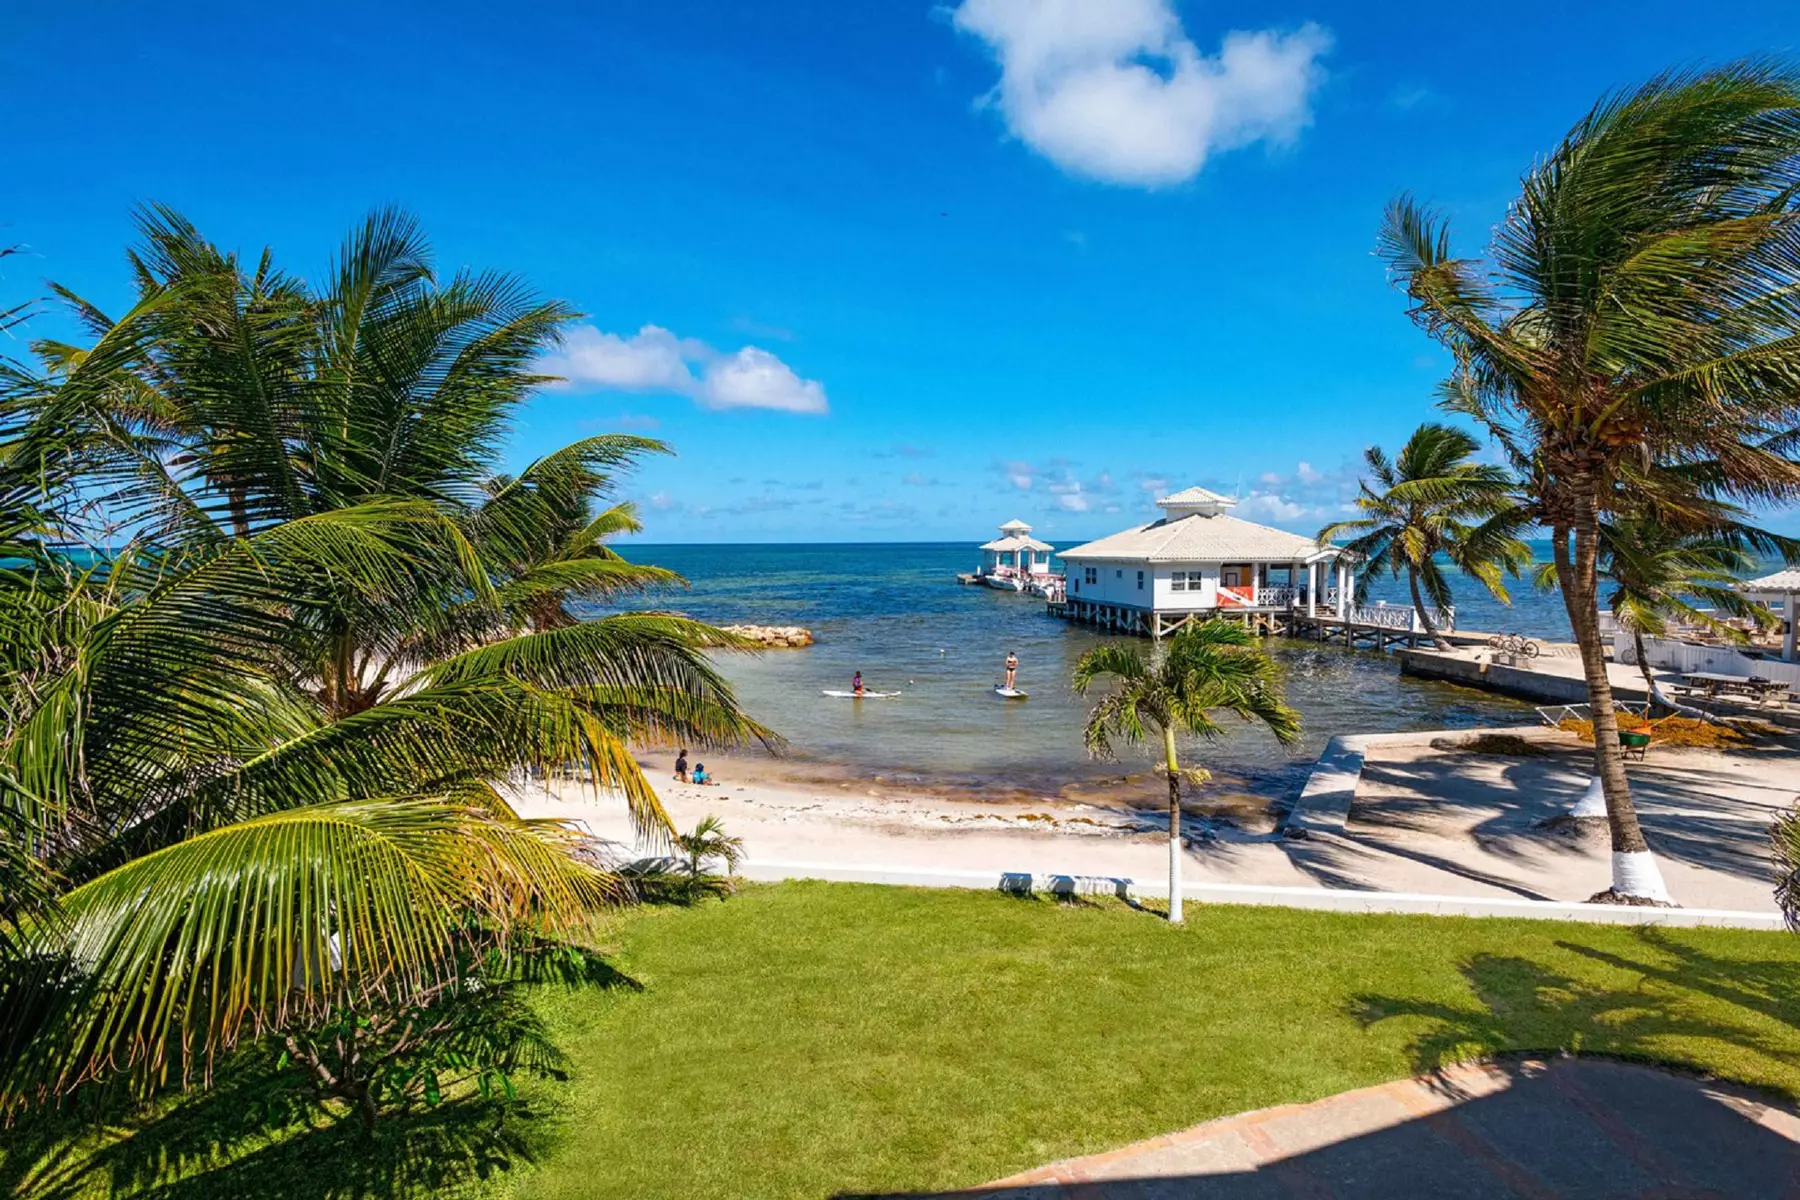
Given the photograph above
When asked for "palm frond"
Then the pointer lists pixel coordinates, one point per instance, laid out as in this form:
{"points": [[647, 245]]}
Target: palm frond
{"points": [[275, 921]]}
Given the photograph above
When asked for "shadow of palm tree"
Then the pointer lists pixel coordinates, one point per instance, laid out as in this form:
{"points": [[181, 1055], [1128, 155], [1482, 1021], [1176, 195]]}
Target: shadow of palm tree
{"points": [[1711, 819], [1520, 1004], [255, 1138], [1768, 988], [257, 1133]]}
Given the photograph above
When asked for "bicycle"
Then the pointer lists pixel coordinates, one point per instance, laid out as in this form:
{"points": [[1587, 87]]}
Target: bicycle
{"points": [[1516, 645]]}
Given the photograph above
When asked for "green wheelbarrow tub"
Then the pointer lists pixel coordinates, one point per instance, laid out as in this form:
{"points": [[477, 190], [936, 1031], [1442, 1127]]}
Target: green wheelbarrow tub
{"points": [[1633, 740]]}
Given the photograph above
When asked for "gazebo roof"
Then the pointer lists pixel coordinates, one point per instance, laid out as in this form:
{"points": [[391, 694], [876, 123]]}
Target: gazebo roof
{"points": [[1015, 526], [1787, 580], [1017, 543]]}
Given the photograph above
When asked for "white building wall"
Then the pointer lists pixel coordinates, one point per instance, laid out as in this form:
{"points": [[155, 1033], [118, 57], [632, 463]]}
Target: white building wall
{"points": [[1170, 600], [1116, 583]]}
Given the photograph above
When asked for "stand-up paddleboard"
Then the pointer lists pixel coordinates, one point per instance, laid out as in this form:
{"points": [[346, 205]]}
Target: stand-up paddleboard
{"points": [[1009, 693], [859, 695]]}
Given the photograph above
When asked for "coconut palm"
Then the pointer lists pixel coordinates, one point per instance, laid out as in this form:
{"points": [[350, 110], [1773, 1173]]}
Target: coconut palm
{"points": [[1658, 575], [207, 820], [260, 761], [1433, 501], [1212, 667], [20, 312], [1631, 341]]}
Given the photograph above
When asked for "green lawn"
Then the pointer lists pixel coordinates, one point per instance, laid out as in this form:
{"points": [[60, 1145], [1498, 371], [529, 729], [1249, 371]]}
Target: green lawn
{"points": [[810, 1039]]}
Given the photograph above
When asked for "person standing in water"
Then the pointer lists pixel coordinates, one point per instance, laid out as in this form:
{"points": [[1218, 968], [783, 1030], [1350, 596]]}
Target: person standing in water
{"points": [[856, 683], [1012, 669]]}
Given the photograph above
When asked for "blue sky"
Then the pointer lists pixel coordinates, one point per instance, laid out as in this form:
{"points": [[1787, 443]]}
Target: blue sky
{"points": [[878, 271]]}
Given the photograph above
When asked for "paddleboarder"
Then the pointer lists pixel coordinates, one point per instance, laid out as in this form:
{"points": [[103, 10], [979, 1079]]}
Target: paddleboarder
{"points": [[1012, 669], [856, 683]]}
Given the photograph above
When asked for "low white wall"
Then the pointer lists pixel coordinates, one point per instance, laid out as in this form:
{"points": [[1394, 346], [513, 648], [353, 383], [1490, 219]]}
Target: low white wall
{"points": [[1666, 654]]}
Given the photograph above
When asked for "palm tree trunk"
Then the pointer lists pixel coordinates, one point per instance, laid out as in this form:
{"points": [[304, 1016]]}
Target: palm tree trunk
{"points": [[1174, 769], [1635, 877], [341, 669], [1431, 629], [1655, 691], [1637, 643], [237, 504]]}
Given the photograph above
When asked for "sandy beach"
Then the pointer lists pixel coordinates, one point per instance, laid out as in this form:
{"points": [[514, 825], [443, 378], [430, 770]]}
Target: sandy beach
{"points": [[1425, 819]]}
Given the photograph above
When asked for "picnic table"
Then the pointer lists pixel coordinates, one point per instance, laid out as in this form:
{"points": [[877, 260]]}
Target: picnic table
{"points": [[1714, 685]]}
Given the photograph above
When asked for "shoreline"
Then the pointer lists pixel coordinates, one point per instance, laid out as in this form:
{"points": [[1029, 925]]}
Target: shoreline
{"points": [[1428, 819], [1112, 786]]}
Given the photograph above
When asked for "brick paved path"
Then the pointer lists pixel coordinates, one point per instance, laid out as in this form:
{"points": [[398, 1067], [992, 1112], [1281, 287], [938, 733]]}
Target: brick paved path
{"points": [[1568, 1128]]}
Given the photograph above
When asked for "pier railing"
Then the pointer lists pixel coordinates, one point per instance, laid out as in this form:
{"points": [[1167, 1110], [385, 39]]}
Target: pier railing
{"points": [[1401, 616], [1382, 616]]}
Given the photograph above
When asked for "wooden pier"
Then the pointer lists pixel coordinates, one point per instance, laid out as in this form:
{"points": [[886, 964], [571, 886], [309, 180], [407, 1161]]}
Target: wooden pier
{"points": [[1377, 627], [1377, 634]]}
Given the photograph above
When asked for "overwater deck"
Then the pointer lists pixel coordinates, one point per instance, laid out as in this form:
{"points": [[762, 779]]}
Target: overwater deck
{"points": [[1378, 626]]}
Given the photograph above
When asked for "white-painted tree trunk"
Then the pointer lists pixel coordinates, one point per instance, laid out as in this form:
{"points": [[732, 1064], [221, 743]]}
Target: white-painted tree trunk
{"points": [[1173, 766], [1636, 874], [1592, 802], [1174, 877]]}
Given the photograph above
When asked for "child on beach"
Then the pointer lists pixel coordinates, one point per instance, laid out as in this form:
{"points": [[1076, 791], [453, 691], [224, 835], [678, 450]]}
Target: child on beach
{"points": [[700, 775]]}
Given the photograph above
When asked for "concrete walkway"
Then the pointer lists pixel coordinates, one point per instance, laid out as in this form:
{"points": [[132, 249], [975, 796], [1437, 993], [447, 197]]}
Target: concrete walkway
{"points": [[1578, 1129], [1327, 899]]}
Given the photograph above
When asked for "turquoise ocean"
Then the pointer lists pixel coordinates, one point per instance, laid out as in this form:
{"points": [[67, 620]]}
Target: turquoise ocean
{"points": [[896, 613]]}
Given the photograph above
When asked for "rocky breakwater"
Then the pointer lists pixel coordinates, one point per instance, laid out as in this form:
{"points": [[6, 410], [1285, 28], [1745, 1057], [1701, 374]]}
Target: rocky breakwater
{"points": [[775, 637]]}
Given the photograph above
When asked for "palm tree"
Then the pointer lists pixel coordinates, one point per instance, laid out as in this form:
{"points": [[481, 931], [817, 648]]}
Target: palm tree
{"points": [[1211, 667], [1433, 501], [1630, 342], [1658, 574], [255, 765], [708, 840], [19, 313]]}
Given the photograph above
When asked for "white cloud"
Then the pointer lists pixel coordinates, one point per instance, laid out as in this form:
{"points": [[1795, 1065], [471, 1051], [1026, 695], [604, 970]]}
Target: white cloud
{"points": [[1269, 506], [1070, 495], [655, 360], [1020, 474], [1307, 474], [649, 360], [766, 503], [1115, 90], [754, 378]]}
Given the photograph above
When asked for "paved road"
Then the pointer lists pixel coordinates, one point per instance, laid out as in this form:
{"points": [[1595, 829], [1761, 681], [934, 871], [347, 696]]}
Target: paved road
{"points": [[1574, 1129]]}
